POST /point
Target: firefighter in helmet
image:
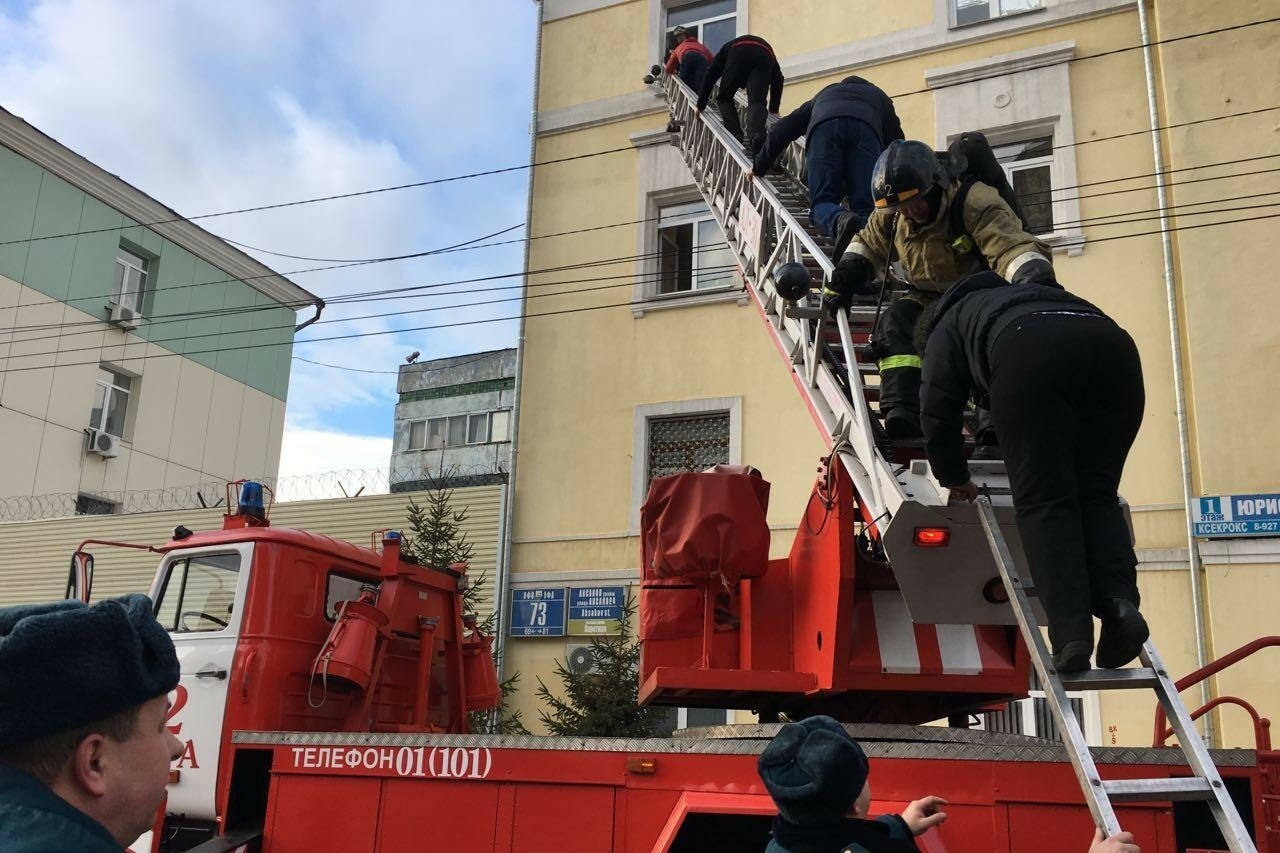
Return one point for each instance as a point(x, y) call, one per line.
point(940, 224)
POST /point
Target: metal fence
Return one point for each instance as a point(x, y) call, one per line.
point(349, 483)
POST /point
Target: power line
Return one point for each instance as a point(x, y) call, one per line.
point(587, 155)
point(631, 281)
point(380, 295)
point(581, 309)
point(365, 296)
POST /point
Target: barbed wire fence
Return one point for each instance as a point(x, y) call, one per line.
point(348, 483)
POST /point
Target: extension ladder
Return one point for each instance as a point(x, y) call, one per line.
point(1205, 783)
point(765, 224)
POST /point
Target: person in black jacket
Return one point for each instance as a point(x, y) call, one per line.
point(846, 126)
point(818, 777)
point(1064, 386)
point(745, 62)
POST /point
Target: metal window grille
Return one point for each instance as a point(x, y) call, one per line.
point(87, 505)
point(690, 443)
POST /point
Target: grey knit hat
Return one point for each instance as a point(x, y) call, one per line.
point(814, 771)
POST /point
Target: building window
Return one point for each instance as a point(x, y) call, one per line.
point(459, 430)
point(692, 443)
point(499, 426)
point(1031, 716)
point(974, 11)
point(1029, 165)
point(111, 402)
point(89, 505)
point(692, 252)
point(130, 280)
point(714, 22)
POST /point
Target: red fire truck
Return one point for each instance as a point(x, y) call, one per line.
point(325, 687)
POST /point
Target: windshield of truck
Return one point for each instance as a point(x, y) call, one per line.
point(198, 593)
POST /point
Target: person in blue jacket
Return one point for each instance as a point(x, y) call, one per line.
point(84, 749)
point(846, 126)
point(817, 775)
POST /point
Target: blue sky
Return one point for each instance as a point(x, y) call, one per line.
point(215, 106)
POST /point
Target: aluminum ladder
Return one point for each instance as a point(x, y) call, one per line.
point(1100, 794)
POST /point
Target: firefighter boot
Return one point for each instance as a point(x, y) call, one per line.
point(987, 445)
point(1123, 633)
point(900, 397)
point(846, 226)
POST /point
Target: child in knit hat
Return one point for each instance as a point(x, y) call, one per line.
point(817, 776)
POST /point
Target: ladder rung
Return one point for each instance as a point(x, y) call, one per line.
point(799, 312)
point(1158, 790)
point(1110, 679)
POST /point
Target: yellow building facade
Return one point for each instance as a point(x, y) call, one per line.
point(634, 365)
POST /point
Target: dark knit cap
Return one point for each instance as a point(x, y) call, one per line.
point(814, 771)
point(66, 664)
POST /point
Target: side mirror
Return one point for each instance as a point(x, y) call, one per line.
point(80, 578)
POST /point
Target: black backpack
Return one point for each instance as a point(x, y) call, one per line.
point(970, 159)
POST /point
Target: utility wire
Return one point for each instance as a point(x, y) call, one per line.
point(365, 296)
point(575, 157)
point(577, 310)
point(156, 319)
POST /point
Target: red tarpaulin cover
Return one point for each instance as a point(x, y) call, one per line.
point(699, 530)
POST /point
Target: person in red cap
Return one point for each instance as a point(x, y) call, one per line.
point(84, 750)
point(689, 58)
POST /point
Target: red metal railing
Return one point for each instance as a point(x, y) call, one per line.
point(1261, 725)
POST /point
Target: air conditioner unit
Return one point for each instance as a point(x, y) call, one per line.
point(102, 443)
point(579, 659)
point(123, 316)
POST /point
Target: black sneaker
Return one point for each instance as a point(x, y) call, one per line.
point(1073, 657)
point(848, 224)
point(1123, 633)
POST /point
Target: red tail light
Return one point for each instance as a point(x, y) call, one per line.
point(932, 537)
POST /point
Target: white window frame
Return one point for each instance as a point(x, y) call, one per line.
point(999, 12)
point(109, 387)
point(487, 414)
point(683, 408)
point(658, 24)
point(131, 261)
point(698, 23)
point(1034, 163)
point(1031, 98)
point(696, 214)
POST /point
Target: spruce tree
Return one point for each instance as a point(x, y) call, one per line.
point(439, 541)
point(603, 701)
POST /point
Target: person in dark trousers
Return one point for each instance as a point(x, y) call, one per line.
point(689, 58)
point(84, 746)
point(745, 62)
point(817, 776)
point(1064, 387)
point(939, 229)
point(846, 126)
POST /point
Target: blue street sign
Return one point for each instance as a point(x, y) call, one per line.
point(596, 610)
point(1231, 516)
point(537, 612)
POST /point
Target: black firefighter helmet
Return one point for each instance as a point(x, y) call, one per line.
point(906, 169)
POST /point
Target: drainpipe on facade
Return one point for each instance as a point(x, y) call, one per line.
point(502, 582)
point(1179, 382)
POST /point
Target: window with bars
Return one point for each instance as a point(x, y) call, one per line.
point(687, 443)
point(89, 505)
point(692, 252)
point(714, 22)
point(459, 430)
point(1029, 165)
point(975, 11)
point(1031, 716)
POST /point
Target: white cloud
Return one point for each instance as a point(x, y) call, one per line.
point(217, 106)
point(318, 464)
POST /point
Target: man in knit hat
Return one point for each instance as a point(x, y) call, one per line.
point(817, 776)
point(84, 751)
